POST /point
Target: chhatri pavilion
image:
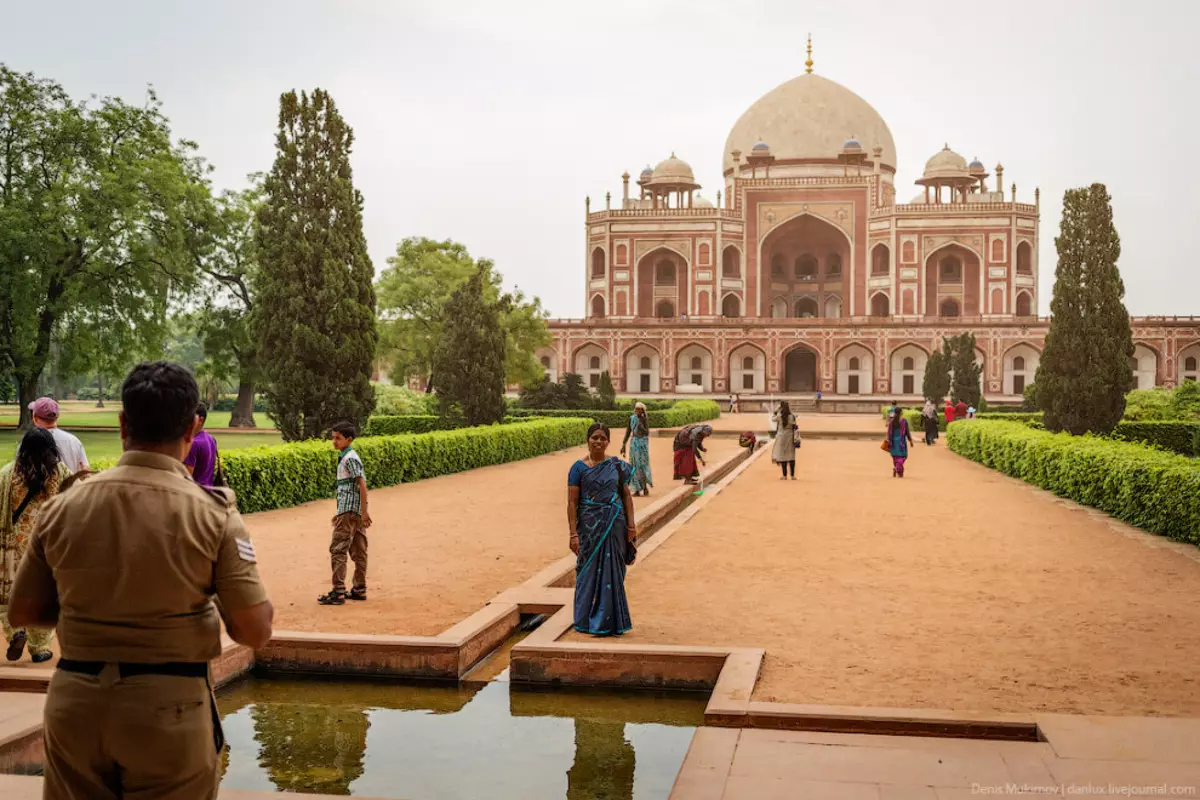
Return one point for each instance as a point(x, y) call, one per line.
point(807, 275)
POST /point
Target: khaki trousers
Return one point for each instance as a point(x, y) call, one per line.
point(349, 536)
point(142, 737)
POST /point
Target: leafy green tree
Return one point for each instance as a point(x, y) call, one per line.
point(469, 361)
point(99, 212)
point(1084, 371)
point(936, 386)
point(413, 292)
point(542, 393)
point(965, 381)
point(605, 393)
point(1029, 399)
point(229, 272)
point(314, 312)
point(574, 393)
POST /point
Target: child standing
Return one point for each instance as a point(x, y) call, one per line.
point(351, 522)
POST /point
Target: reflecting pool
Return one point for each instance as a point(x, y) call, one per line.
point(438, 742)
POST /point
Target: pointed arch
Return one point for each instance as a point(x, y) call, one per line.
point(855, 365)
point(1024, 304)
point(598, 305)
point(731, 305)
point(881, 259)
point(1020, 364)
point(643, 366)
point(598, 266)
point(747, 369)
point(590, 360)
point(907, 363)
point(694, 369)
point(881, 305)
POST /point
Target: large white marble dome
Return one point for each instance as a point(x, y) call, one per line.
point(810, 117)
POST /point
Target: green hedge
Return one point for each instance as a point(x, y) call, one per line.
point(385, 425)
point(1156, 491)
point(683, 412)
point(280, 476)
point(1175, 435)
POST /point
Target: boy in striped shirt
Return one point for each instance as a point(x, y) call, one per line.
point(351, 522)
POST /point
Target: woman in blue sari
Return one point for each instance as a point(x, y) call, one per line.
point(600, 517)
point(639, 452)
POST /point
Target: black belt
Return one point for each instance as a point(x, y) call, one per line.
point(181, 669)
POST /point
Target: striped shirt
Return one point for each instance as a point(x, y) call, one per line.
point(350, 469)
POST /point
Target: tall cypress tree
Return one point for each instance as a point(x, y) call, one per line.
point(469, 360)
point(960, 350)
point(1084, 370)
point(315, 320)
point(936, 385)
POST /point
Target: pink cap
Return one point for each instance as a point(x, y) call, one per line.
point(44, 408)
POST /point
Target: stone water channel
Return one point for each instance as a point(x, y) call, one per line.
point(476, 739)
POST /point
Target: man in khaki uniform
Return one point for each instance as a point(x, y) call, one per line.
point(126, 565)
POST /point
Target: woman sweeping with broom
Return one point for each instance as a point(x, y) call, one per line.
point(689, 444)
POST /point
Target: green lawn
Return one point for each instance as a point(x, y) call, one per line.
point(70, 419)
point(102, 445)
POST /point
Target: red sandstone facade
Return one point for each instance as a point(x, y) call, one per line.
point(809, 277)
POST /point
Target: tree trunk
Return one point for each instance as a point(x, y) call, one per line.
point(99, 391)
point(243, 409)
point(26, 394)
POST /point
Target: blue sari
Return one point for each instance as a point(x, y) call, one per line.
point(601, 608)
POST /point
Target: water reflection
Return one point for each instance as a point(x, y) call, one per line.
point(308, 748)
point(604, 762)
point(430, 742)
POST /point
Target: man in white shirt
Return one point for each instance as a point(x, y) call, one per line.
point(70, 449)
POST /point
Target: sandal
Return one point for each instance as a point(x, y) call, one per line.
point(357, 594)
point(336, 597)
point(16, 646)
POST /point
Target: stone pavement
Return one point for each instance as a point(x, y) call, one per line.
point(1083, 756)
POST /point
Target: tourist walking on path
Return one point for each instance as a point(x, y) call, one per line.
point(603, 536)
point(929, 420)
point(689, 444)
point(960, 410)
point(783, 451)
point(949, 412)
point(25, 487)
point(70, 449)
point(201, 460)
point(641, 481)
point(127, 564)
point(898, 439)
point(351, 521)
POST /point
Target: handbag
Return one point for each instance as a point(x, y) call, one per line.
point(885, 446)
point(630, 547)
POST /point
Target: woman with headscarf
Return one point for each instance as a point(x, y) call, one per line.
point(603, 537)
point(688, 447)
point(639, 430)
point(783, 451)
point(26, 486)
point(898, 439)
point(929, 420)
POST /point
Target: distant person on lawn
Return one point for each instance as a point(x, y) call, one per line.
point(351, 521)
point(25, 487)
point(70, 449)
point(201, 460)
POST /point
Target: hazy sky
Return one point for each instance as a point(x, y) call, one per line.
point(488, 121)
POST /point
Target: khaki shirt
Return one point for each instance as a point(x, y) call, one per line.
point(137, 553)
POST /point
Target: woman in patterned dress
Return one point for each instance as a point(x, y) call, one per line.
point(641, 480)
point(26, 486)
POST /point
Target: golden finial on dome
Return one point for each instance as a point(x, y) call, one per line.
point(809, 63)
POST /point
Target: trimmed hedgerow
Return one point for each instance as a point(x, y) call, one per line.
point(683, 412)
point(287, 475)
point(280, 476)
point(1178, 436)
point(1154, 490)
point(393, 425)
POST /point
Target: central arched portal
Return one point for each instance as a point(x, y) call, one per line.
point(800, 371)
point(805, 262)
